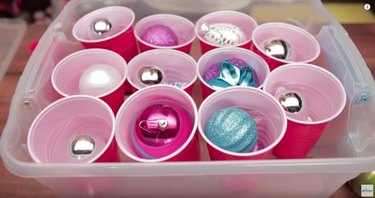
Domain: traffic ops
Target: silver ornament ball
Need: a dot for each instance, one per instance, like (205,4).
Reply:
(82,146)
(277,48)
(291,102)
(101,26)
(150,75)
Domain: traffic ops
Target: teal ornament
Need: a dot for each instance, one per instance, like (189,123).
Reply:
(230,75)
(232,129)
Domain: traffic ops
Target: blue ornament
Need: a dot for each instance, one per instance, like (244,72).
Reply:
(232,129)
(230,75)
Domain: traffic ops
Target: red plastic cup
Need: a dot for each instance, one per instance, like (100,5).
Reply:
(52,132)
(323,99)
(177,67)
(246,23)
(260,105)
(120,38)
(188,151)
(304,46)
(183,28)
(67,73)
(214,56)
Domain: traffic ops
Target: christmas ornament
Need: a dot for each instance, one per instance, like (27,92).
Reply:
(160,35)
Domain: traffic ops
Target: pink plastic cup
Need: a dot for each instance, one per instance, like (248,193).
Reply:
(303,46)
(188,150)
(177,67)
(52,132)
(206,60)
(246,23)
(183,28)
(120,38)
(67,73)
(260,105)
(323,99)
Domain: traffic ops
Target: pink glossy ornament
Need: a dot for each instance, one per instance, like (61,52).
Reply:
(159,125)
(160,129)
(160,35)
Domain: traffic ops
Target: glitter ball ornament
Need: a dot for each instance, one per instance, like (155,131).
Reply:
(160,35)
(223,34)
(232,129)
(98,79)
(160,129)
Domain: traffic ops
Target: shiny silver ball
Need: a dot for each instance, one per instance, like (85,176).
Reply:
(291,102)
(223,34)
(150,75)
(277,48)
(82,146)
(101,26)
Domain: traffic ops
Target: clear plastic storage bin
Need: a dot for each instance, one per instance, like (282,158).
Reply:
(346,148)
(12,31)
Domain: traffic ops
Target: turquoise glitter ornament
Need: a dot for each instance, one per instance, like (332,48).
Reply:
(232,129)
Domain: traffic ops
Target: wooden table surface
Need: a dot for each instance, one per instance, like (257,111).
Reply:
(12,186)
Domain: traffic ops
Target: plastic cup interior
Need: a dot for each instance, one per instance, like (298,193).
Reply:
(54,129)
(217,55)
(176,66)
(67,73)
(121,19)
(323,96)
(183,28)
(303,46)
(140,99)
(246,23)
(260,105)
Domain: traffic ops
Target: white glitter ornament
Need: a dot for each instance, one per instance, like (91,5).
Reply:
(223,34)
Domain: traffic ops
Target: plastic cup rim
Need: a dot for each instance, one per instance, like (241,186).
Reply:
(237,49)
(253,90)
(85,52)
(56,104)
(249,38)
(318,69)
(157,16)
(292,28)
(165,51)
(125,105)
(103,10)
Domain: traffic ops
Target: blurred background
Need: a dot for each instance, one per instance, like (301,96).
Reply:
(43,11)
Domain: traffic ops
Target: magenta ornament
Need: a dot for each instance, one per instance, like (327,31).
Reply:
(160,35)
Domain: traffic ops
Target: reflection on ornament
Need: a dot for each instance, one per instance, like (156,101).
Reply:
(82,146)
(150,75)
(99,79)
(232,75)
(291,102)
(223,34)
(277,48)
(101,26)
(160,35)
(232,129)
